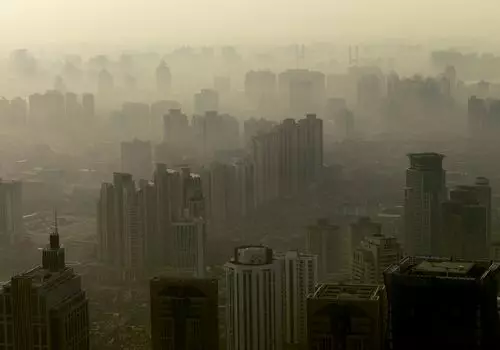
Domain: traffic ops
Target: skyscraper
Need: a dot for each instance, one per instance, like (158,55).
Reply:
(326,241)
(45,307)
(483,189)
(184,314)
(254,305)
(188,246)
(163,79)
(375,254)
(11,211)
(443,304)
(425,190)
(464,225)
(137,158)
(300,278)
(121,242)
(346,316)
(176,128)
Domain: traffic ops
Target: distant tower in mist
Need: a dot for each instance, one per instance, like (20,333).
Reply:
(105,82)
(425,191)
(163,79)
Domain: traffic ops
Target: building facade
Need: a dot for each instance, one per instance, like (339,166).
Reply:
(374,254)
(254,304)
(184,313)
(45,307)
(300,275)
(442,304)
(424,193)
(346,316)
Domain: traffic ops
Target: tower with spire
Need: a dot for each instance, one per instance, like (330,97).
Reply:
(45,307)
(53,257)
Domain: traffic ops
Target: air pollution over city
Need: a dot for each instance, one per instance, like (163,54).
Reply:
(249,175)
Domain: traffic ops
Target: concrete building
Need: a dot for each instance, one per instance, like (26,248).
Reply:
(184,313)
(326,242)
(206,100)
(373,256)
(464,225)
(440,303)
(11,211)
(288,158)
(45,307)
(188,246)
(121,242)
(362,228)
(424,193)
(137,158)
(254,304)
(300,272)
(176,129)
(302,91)
(346,316)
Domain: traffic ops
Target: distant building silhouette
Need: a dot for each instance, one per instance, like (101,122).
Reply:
(137,158)
(105,83)
(206,100)
(362,228)
(88,106)
(184,313)
(326,242)
(464,227)
(188,246)
(443,304)
(163,79)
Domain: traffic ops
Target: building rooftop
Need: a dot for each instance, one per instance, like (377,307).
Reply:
(432,267)
(337,291)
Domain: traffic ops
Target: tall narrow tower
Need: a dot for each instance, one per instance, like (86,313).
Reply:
(425,191)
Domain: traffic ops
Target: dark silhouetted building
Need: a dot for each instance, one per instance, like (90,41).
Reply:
(184,314)
(424,193)
(45,307)
(437,303)
(346,316)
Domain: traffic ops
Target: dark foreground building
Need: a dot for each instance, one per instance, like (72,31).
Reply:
(437,303)
(184,313)
(346,316)
(45,308)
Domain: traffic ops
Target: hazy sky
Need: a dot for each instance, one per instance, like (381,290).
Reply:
(37,21)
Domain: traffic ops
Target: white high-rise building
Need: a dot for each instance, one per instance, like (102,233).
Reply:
(375,254)
(300,275)
(188,246)
(254,304)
